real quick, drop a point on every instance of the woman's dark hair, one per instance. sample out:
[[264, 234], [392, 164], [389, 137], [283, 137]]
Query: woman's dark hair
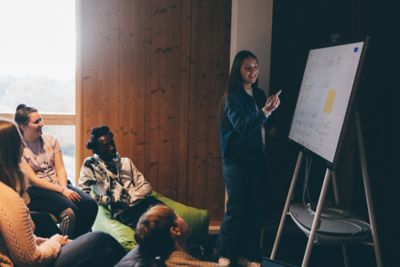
[[95, 133], [153, 232], [235, 81], [22, 114], [10, 155]]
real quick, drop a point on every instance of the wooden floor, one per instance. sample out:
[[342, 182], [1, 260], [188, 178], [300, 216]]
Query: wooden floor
[[293, 244]]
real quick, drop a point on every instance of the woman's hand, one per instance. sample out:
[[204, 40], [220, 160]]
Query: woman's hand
[[61, 239], [271, 104], [70, 194]]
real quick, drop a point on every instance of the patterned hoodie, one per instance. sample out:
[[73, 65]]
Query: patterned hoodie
[[118, 184]]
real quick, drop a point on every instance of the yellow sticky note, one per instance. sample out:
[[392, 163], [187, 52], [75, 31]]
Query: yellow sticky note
[[329, 101]]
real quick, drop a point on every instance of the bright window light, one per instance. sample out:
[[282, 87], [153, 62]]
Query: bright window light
[[37, 55], [37, 64]]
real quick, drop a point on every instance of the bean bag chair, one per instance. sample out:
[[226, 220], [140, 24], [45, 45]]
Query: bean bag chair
[[197, 219]]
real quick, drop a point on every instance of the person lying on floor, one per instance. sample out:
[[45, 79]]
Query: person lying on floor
[[162, 238], [114, 181]]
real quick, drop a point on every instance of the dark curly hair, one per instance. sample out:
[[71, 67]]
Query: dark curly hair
[[95, 134]]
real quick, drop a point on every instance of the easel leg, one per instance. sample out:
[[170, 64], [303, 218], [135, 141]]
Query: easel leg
[[337, 201], [367, 190], [287, 203], [317, 216]]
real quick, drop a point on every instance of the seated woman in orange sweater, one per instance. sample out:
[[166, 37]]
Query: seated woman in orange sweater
[[18, 245]]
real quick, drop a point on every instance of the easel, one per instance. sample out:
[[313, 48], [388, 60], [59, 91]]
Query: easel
[[315, 224]]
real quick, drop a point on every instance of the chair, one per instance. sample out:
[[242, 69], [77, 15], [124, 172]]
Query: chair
[[197, 219]]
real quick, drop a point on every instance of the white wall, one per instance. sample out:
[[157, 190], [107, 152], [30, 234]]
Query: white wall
[[251, 29]]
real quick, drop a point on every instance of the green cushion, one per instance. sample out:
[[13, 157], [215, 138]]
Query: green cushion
[[197, 219], [123, 234]]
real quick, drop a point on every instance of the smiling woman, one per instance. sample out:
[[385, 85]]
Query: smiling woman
[[49, 191], [245, 113]]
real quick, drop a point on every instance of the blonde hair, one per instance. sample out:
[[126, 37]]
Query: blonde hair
[[10, 155]]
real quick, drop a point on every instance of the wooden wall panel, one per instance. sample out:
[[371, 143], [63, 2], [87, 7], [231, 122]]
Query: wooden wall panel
[[99, 63], [148, 67], [209, 72], [168, 99]]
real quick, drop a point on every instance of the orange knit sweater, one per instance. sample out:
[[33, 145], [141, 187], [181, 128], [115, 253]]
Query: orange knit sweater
[[18, 244]]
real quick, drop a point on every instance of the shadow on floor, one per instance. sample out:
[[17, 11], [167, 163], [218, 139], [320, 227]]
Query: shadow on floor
[[292, 247]]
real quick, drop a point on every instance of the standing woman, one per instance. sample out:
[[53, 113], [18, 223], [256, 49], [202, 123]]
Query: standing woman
[[18, 245], [50, 191], [244, 114]]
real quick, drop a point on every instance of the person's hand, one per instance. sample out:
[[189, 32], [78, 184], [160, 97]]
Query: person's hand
[[61, 239], [71, 195], [271, 104]]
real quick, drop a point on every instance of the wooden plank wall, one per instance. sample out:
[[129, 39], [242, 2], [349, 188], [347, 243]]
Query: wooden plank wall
[[154, 71]]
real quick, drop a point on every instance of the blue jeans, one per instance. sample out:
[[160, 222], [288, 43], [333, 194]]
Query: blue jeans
[[92, 249], [240, 231]]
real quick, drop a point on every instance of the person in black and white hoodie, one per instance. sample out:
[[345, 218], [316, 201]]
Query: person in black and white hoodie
[[114, 181]]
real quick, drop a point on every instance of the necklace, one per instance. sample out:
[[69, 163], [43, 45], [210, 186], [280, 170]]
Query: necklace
[[40, 161]]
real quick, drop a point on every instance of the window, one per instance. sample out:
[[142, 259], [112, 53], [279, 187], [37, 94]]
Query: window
[[37, 66]]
